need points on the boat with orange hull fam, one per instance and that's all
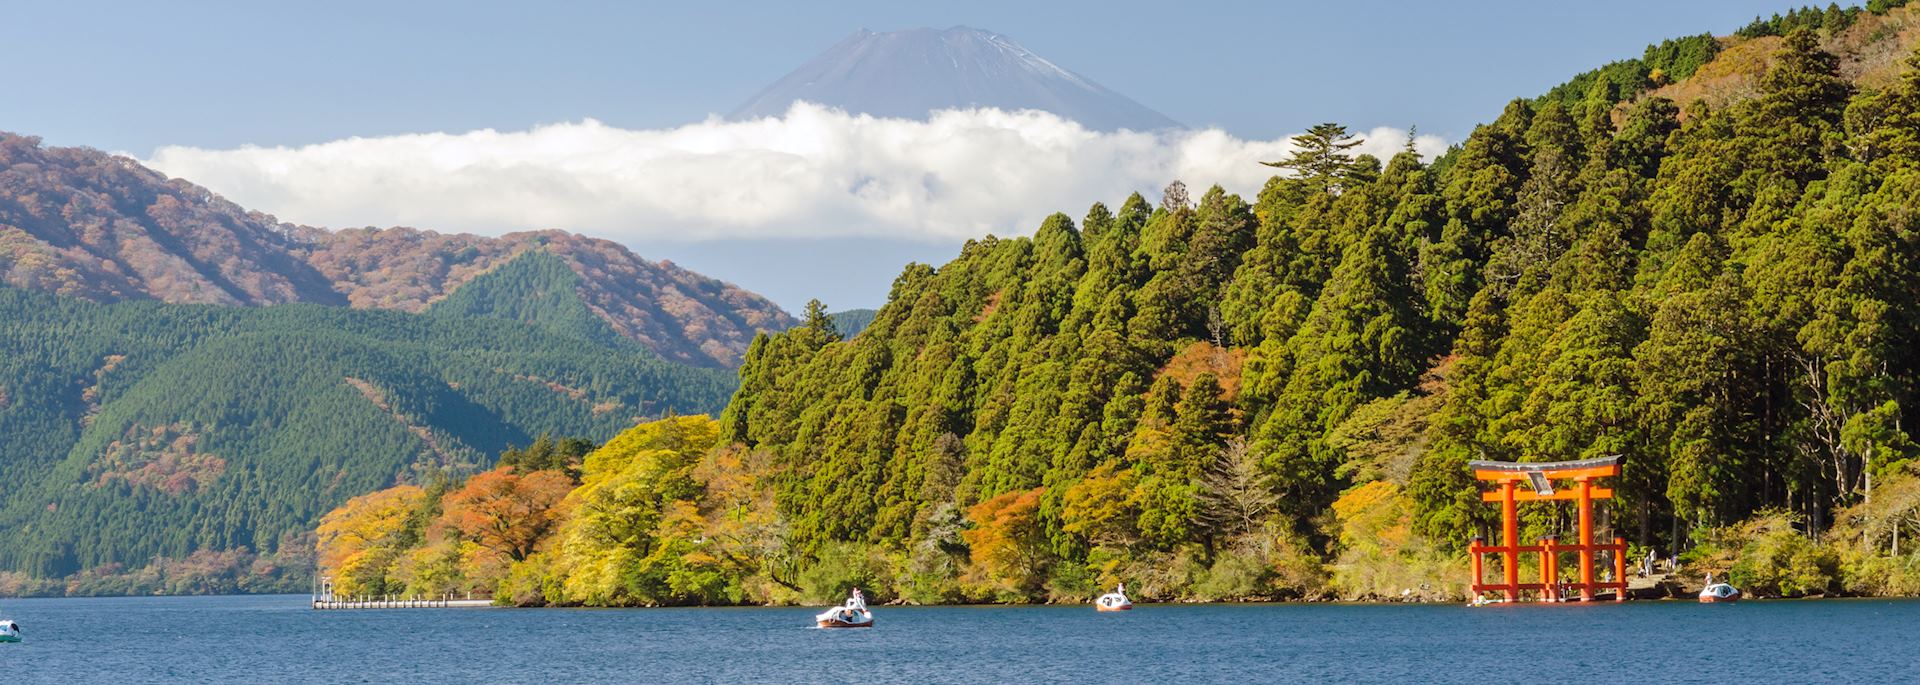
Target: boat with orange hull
(853, 614)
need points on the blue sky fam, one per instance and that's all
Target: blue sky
(138, 76)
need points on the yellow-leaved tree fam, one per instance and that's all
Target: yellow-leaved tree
(360, 541)
(635, 533)
(1380, 556)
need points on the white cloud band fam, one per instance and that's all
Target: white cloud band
(816, 172)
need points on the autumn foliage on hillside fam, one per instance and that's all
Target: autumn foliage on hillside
(660, 515)
(78, 222)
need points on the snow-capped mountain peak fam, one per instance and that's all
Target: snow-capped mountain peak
(907, 74)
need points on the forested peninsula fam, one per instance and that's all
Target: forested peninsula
(1218, 398)
(186, 449)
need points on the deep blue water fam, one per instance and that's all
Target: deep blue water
(278, 640)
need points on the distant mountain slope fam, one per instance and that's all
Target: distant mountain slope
(1871, 47)
(536, 288)
(682, 315)
(140, 429)
(851, 322)
(906, 74)
(79, 222)
(83, 223)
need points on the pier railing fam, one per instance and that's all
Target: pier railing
(324, 598)
(391, 602)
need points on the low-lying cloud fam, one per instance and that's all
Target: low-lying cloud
(816, 172)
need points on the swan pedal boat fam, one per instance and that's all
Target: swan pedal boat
(1719, 592)
(853, 614)
(1114, 601)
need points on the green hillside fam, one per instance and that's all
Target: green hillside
(1196, 393)
(537, 289)
(139, 430)
(850, 322)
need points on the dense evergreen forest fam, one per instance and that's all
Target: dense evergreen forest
(1214, 397)
(1724, 296)
(140, 430)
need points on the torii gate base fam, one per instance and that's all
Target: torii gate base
(1540, 477)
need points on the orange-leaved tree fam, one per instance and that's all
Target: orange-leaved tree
(1009, 544)
(507, 512)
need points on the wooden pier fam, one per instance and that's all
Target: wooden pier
(398, 603)
(324, 598)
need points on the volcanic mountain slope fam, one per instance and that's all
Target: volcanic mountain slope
(906, 74)
(82, 223)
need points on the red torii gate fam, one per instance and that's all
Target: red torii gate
(1540, 477)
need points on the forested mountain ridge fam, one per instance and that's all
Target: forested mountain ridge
(82, 223)
(682, 315)
(1723, 293)
(140, 432)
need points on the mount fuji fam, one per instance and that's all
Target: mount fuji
(907, 74)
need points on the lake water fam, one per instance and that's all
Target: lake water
(276, 639)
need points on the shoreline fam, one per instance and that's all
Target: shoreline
(300, 598)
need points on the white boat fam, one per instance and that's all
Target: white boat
(1719, 592)
(1114, 601)
(9, 631)
(853, 614)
